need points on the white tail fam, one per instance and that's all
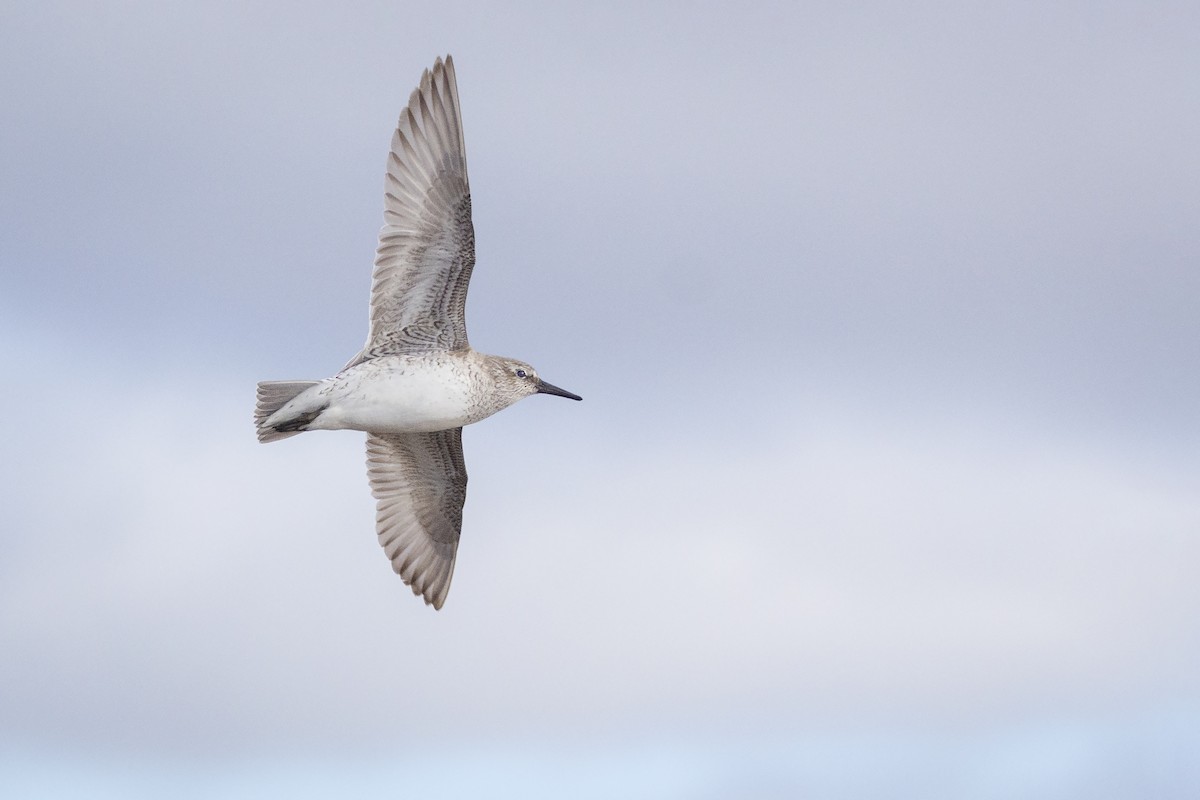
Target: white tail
(272, 395)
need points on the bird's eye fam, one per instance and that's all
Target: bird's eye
(520, 373)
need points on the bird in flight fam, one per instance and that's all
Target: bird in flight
(417, 381)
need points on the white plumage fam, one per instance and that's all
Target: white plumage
(416, 381)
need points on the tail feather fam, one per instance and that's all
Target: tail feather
(272, 395)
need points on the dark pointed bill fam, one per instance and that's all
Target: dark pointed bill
(550, 388)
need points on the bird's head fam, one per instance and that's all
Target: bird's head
(518, 379)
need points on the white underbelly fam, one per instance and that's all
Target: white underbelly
(397, 396)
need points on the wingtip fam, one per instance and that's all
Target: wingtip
(443, 69)
(433, 589)
(431, 595)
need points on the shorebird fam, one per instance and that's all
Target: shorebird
(417, 381)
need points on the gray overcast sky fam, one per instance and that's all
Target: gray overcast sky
(886, 317)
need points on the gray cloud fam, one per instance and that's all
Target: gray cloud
(884, 319)
(848, 568)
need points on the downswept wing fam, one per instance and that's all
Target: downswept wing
(427, 245)
(419, 481)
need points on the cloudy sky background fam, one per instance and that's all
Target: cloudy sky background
(886, 482)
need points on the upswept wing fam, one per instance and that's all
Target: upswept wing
(427, 244)
(420, 483)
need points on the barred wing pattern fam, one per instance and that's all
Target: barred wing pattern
(427, 244)
(420, 483)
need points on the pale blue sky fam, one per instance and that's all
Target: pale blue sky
(886, 480)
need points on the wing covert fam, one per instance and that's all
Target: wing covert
(419, 481)
(427, 245)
